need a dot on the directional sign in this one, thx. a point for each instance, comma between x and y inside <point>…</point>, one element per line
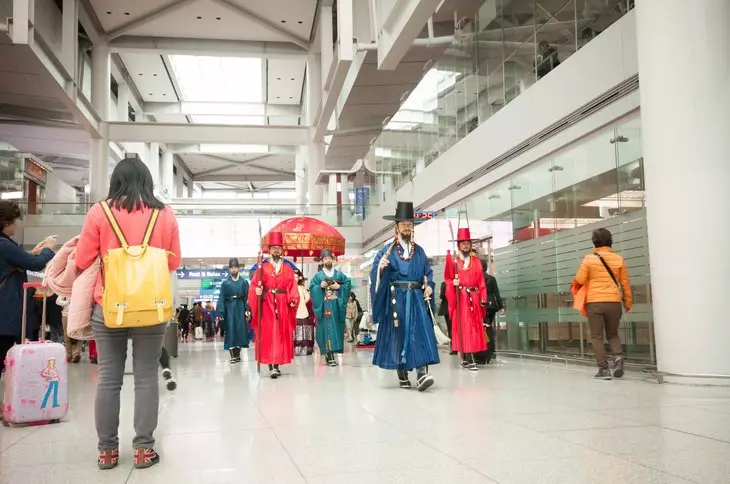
<point>202,273</point>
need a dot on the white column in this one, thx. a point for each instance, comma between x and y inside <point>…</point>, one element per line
<point>301,177</point>
<point>315,149</point>
<point>98,169</point>
<point>153,163</point>
<point>167,177</point>
<point>191,188</point>
<point>685,126</point>
<point>101,80</point>
<point>69,36</point>
<point>420,165</point>
<point>331,209</point>
<point>122,101</point>
<point>326,41</point>
<point>345,191</point>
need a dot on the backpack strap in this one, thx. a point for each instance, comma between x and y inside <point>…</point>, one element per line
<point>610,273</point>
<point>114,224</point>
<point>151,226</point>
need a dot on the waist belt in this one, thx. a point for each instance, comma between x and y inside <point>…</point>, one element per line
<point>234,297</point>
<point>407,285</point>
<point>469,289</point>
<point>277,291</point>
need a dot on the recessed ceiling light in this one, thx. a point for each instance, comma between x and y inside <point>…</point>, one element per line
<point>154,75</point>
<point>141,74</point>
<point>300,22</point>
<point>200,18</point>
<point>108,13</point>
<point>283,21</point>
<point>126,13</point>
<point>291,78</point>
<point>278,78</point>
<point>218,18</point>
<point>150,94</point>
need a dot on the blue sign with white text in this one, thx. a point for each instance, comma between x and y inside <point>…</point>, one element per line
<point>202,273</point>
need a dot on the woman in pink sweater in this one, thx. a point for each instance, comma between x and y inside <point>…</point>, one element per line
<point>132,201</point>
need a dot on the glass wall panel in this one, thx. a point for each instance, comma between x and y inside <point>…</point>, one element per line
<point>540,221</point>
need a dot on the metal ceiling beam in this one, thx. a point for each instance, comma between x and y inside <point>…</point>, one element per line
<point>243,178</point>
<point>401,27</point>
<point>207,133</point>
<point>265,23</point>
<point>203,109</point>
<point>150,17</point>
<point>195,149</point>
<point>229,164</point>
<point>212,47</point>
<point>90,22</point>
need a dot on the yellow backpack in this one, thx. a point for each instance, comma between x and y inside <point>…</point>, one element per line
<point>136,281</point>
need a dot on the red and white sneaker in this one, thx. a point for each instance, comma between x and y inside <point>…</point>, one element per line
<point>145,457</point>
<point>108,459</point>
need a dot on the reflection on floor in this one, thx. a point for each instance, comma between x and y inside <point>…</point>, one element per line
<point>510,423</point>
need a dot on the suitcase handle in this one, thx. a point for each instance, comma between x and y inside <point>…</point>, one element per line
<point>26,286</point>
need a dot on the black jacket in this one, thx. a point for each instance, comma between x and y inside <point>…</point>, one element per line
<point>444,306</point>
<point>493,294</point>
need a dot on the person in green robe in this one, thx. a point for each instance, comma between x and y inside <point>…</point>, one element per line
<point>233,311</point>
<point>330,290</point>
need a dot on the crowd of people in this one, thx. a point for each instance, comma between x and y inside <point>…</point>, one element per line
<point>286,315</point>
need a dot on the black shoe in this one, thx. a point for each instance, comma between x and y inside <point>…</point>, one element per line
<point>618,367</point>
<point>425,381</point>
<point>403,379</point>
<point>331,361</point>
<point>171,384</point>
<point>453,352</point>
<point>472,366</point>
<point>602,375</point>
<point>166,373</point>
<point>275,372</point>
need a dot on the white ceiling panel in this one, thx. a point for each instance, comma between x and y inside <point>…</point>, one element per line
<point>150,76</point>
<point>285,80</point>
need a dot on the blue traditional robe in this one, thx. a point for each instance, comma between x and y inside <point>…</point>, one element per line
<point>329,309</point>
<point>412,343</point>
<point>232,307</point>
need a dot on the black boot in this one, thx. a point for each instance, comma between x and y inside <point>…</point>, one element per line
<point>403,379</point>
<point>238,354</point>
<point>275,372</point>
<point>232,352</point>
<point>424,379</point>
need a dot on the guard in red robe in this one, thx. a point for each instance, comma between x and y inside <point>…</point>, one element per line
<point>275,282</point>
<point>465,280</point>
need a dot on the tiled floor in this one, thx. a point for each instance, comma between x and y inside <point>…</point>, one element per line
<point>514,422</point>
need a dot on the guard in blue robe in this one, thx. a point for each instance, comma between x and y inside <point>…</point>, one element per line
<point>401,279</point>
<point>233,311</point>
<point>330,290</point>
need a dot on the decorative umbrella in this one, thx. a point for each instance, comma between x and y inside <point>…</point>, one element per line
<point>306,237</point>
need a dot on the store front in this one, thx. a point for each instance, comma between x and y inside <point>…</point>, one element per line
<point>23,177</point>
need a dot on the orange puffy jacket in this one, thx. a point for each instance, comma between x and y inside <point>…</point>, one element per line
<point>601,287</point>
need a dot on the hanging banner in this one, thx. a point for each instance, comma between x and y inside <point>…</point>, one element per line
<point>362,200</point>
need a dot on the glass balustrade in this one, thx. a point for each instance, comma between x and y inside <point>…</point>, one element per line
<point>507,47</point>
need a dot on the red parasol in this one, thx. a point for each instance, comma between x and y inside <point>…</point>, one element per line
<point>306,237</point>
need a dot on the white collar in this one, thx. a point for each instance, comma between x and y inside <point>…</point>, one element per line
<point>466,260</point>
<point>406,246</point>
<point>329,273</point>
<point>277,265</point>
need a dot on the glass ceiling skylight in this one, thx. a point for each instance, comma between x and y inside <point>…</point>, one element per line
<point>218,79</point>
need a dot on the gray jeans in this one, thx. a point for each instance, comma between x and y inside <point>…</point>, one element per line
<point>112,348</point>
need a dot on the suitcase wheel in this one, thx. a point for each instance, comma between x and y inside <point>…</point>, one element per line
<point>56,421</point>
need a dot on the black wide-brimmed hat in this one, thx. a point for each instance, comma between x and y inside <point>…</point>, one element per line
<point>403,213</point>
<point>233,263</point>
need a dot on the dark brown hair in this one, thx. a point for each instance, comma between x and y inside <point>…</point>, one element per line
<point>9,213</point>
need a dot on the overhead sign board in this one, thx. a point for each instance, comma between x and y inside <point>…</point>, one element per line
<point>202,273</point>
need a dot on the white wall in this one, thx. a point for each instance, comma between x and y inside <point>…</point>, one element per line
<point>58,191</point>
<point>596,68</point>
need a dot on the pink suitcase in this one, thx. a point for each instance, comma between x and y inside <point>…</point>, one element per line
<point>36,377</point>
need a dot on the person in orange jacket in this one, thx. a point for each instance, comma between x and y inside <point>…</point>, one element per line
<point>608,290</point>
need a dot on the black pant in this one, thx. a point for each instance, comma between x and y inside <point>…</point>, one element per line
<point>484,357</point>
<point>164,358</point>
<point>6,342</point>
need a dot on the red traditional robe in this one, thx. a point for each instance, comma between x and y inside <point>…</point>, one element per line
<point>278,319</point>
<point>467,331</point>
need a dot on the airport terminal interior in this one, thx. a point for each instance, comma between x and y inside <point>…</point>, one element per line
<point>358,140</point>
